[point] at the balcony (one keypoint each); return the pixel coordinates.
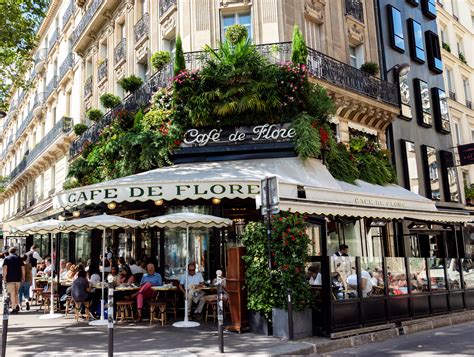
(88, 87)
(93, 20)
(67, 64)
(53, 40)
(18, 169)
(452, 95)
(40, 59)
(102, 71)
(68, 13)
(120, 51)
(142, 27)
(13, 107)
(355, 9)
(24, 125)
(165, 5)
(51, 87)
(38, 104)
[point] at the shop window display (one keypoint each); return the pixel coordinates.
(397, 277)
(437, 278)
(418, 277)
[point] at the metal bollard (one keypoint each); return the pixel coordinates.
(6, 314)
(220, 315)
(110, 320)
(291, 335)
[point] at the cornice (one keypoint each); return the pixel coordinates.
(49, 17)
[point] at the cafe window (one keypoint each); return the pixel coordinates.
(433, 189)
(437, 278)
(435, 62)
(396, 29)
(454, 277)
(404, 96)
(396, 276)
(423, 103)
(314, 233)
(411, 166)
(468, 273)
(429, 8)
(440, 110)
(417, 48)
(83, 247)
(344, 279)
(372, 276)
(418, 276)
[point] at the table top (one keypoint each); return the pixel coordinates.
(164, 288)
(126, 288)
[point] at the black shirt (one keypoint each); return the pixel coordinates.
(79, 289)
(14, 264)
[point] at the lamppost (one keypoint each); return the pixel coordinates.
(3, 114)
(6, 297)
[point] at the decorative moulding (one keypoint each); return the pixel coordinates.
(314, 10)
(120, 72)
(355, 31)
(141, 52)
(168, 26)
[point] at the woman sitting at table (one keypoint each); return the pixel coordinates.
(150, 279)
(71, 273)
(125, 276)
(93, 274)
(113, 275)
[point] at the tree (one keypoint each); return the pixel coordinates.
(299, 52)
(179, 61)
(19, 22)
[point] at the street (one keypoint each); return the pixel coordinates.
(452, 340)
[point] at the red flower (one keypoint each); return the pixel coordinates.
(286, 242)
(293, 238)
(324, 136)
(177, 142)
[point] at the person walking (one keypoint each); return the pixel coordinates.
(13, 276)
(25, 285)
(34, 258)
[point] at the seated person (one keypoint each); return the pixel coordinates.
(195, 281)
(315, 277)
(80, 289)
(65, 271)
(93, 274)
(135, 268)
(213, 297)
(71, 273)
(366, 282)
(125, 276)
(113, 275)
(151, 278)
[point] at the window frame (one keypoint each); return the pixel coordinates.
(428, 7)
(414, 45)
(406, 166)
(414, 3)
(435, 61)
(419, 86)
(393, 36)
(236, 15)
(428, 173)
(442, 124)
(405, 107)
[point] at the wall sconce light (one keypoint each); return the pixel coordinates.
(111, 205)
(76, 214)
(216, 201)
(61, 217)
(159, 202)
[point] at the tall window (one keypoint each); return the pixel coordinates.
(457, 135)
(434, 53)
(423, 103)
(396, 29)
(417, 48)
(242, 18)
(449, 79)
(411, 166)
(429, 8)
(467, 89)
(356, 55)
(454, 6)
(404, 96)
(450, 176)
(441, 110)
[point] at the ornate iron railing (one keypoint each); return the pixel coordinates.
(39, 100)
(41, 55)
(86, 19)
(18, 169)
(52, 85)
(142, 27)
(120, 51)
(102, 70)
(88, 87)
(67, 64)
(165, 5)
(52, 40)
(355, 9)
(68, 13)
(24, 125)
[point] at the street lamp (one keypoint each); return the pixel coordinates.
(400, 69)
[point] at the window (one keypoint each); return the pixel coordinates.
(396, 29)
(411, 166)
(417, 48)
(433, 189)
(434, 53)
(356, 55)
(457, 136)
(449, 79)
(467, 89)
(454, 6)
(450, 176)
(440, 110)
(413, 2)
(429, 8)
(242, 18)
(423, 104)
(472, 135)
(404, 96)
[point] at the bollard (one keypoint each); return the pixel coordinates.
(6, 314)
(291, 336)
(220, 314)
(110, 320)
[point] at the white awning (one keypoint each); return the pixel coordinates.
(241, 179)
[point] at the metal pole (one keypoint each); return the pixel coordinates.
(6, 314)
(102, 301)
(110, 317)
(291, 335)
(220, 315)
(52, 274)
(186, 277)
(269, 225)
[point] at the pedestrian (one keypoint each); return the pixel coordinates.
(34, 258)
(25, 285)
(2, 257)
(13, 276)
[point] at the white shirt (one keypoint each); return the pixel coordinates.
(195, 279)
(37, 257)
(316, 281)
(95, 278)
(135, 269)
(352, 280)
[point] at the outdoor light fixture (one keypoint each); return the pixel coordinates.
(216, 201)
(159, 202)
(61, 217)
(2, 114)
(76, 213)
(400, 69)
(111, 205)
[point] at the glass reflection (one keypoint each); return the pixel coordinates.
(412, 166)
(314, 233)
(418, 277)
(372, 276)
(397, 28)
(437, 278)
(454, 276)
(444, 110)
(453, 184)
(424, 100)
(397, 277)
(468, 273)
(405, 95)
(343, 277)
(432, 163)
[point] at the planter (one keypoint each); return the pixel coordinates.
(259, 324)
(302, 323)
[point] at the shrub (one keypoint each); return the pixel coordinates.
(131, 83)
(371, 68)
(236, 33)
(341, 165)
(109, 100)
(79, 129)
(447, 47)
(299, 52)
(179, 61)
(307, 140)
(160, 59)
(94, 114)
(462, 58)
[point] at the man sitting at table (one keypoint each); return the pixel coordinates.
(151, 278)
(195, 281)
(80, 289)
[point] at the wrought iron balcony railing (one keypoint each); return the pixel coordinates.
(452, 95)
(52, 85)
(165, 5)
(355, 9)
(67, 64)
(24, 125)
(102, 70)
(53, 40)
(88, 87)
(68, 13)
(120, 51)
(86, 19)
(21, 96)
(142, 27)
(18, 169)
(39, 100)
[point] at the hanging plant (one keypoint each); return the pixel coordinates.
(341, 164)
(94, 114)
(131, 83)
(307, 140)
(109, 100)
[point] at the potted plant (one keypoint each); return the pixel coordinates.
(371, 68)
(469, 192)
(94, 114)
(131, 83)
(79, 129)
(160, 59)
(446, 47)
(109, 100)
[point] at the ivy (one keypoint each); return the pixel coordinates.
(307, 140)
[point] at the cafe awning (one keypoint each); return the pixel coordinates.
(324, 194)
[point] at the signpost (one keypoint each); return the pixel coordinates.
(270, 205)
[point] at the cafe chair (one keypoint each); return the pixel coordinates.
(157, 312)
(67, 305)
(46, 301)
(211, 305)
(125, 310)
(77, 309)
(37, 294)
